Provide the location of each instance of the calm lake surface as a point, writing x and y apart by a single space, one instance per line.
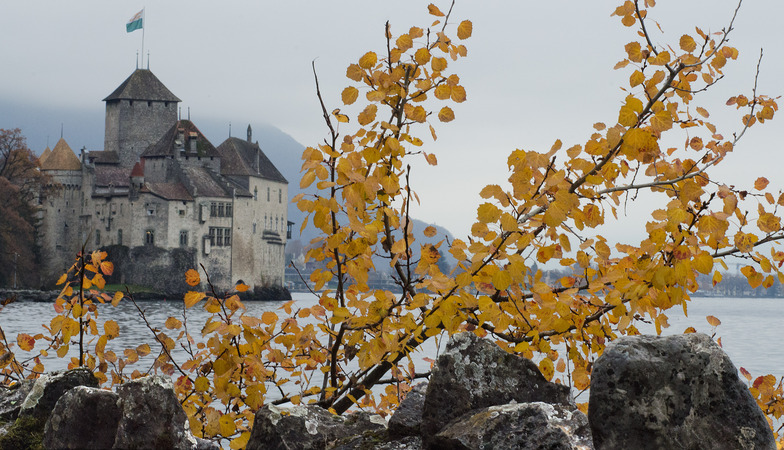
750 332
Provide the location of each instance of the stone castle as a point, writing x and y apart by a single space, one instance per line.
161 198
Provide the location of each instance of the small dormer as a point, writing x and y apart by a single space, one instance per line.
193 140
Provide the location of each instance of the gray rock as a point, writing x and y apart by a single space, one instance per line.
518 426
475 373
11 399
48 389
672 392
407 419
152 416
84 418
306 427
406 443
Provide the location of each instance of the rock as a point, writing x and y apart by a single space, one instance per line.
406 443
672 392
518 426
475 373
152 416
407 419
305 427
11 399
47 389
84 418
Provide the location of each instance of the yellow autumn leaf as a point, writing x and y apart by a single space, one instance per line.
173 323
458 94
687 43
502 280
713 321
118 296
368 60
366 116
446 114
465 29
349 95
430 231
547 369
422 56
404 42
443 91
634 51
636 78
111 329
769 223
488 213
269 317
192 297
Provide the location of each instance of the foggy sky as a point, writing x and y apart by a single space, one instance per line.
535 72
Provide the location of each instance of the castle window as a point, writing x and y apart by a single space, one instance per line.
228 209
183 238
280 195
149 237
268 194
182 213
130 102
255 193
213 209
254 227
119 237
149 104
97 237
221 212
220 237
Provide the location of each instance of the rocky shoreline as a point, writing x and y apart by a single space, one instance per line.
267 293
647 392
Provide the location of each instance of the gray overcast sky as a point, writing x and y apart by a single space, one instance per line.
535 72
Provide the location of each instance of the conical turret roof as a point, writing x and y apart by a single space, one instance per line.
61 158
44 155
142 85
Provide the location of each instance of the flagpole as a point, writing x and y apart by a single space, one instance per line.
144 25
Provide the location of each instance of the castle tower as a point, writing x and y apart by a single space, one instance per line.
138 113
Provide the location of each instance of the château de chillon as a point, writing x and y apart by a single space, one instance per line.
161 199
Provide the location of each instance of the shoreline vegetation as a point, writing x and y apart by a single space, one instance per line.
143 294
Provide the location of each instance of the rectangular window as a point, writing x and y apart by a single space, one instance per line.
228 210
149 237
221 212
280 195
183 238
213 209
97 237
220 237
119 237
268 194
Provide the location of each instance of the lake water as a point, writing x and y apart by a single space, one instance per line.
749 330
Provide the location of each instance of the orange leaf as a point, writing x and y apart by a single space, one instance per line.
349 95
446 114
269 317
465 29
430 231
192 277
761 183
242 287
107 268
433 9
713 321
25 341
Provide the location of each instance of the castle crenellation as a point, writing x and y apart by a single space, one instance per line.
160 197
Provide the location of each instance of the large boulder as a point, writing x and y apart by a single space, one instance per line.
84 418
672 392
518 426
306 427
152 416
47 389
407 419
475 373
11 399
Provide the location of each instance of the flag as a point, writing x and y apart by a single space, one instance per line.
136 22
